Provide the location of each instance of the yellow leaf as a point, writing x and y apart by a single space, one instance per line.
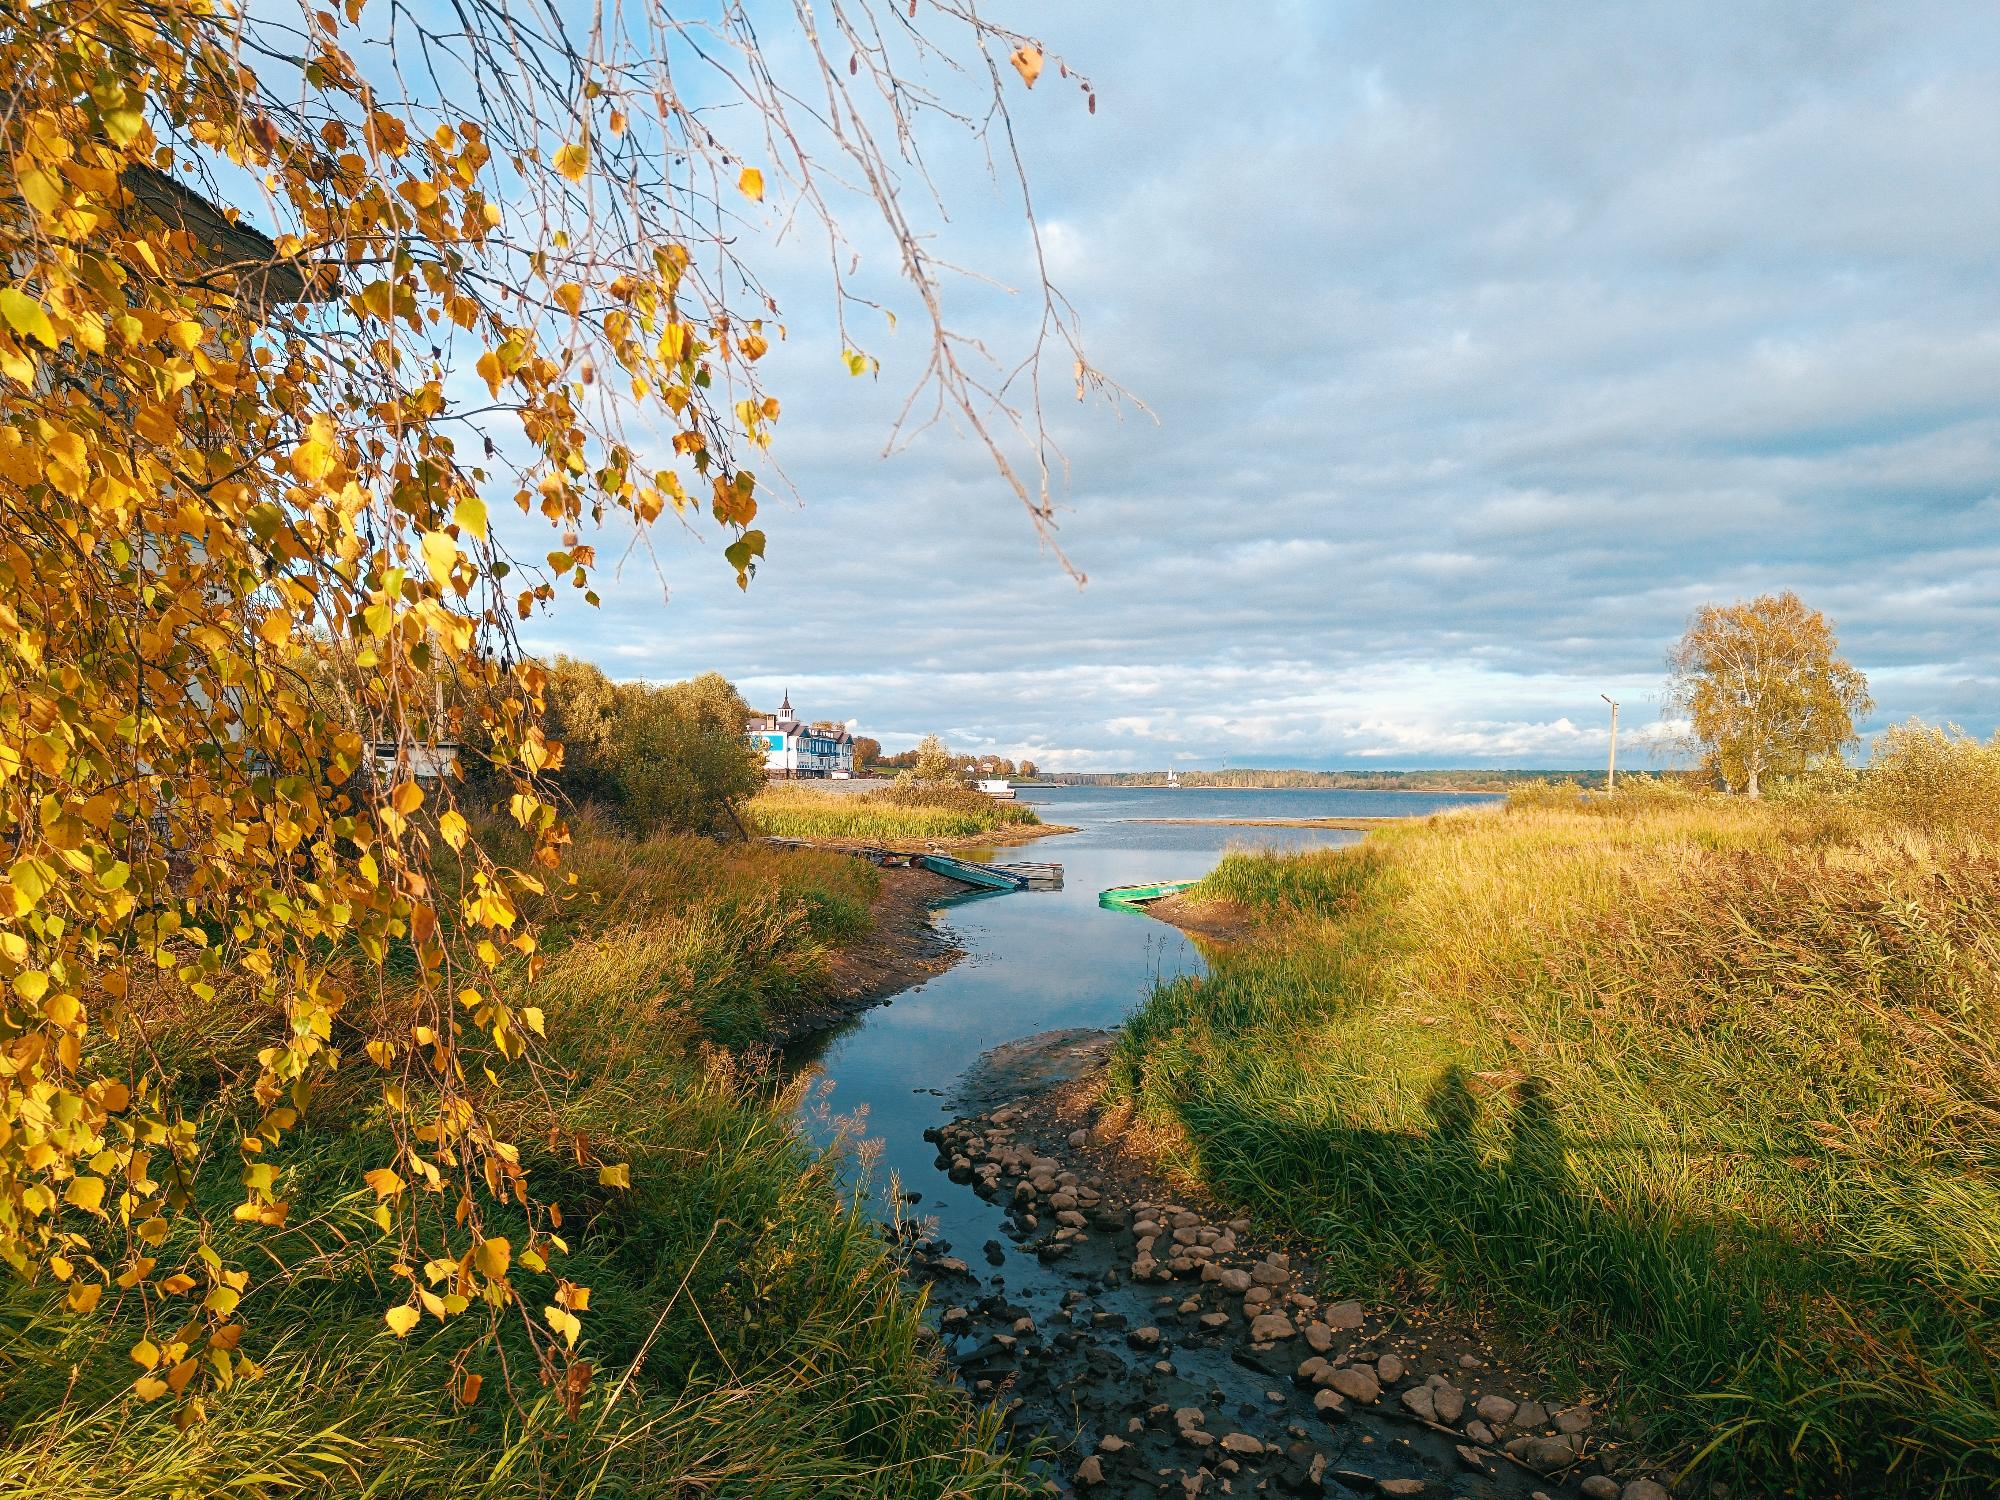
87 1193
149 1387
31 985
492 1258
752 184
185 335
470 513
564 1323
440 554
384 1181
26 315
569 296
41 190
146 1354
407 798
573 161
619 1176
468 1388
857 362
453 828
222 1300
315 458
1027 61
401 1319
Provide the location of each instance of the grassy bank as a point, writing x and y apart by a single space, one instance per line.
1702 1099
747 1334
894 815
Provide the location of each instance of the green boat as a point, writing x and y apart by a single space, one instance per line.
1135 897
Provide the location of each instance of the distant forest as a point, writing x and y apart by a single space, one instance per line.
1369 781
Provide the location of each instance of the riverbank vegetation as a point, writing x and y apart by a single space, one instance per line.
1695 1095
901 813
749 1332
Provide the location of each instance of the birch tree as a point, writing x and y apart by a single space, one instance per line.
297 305
1764 688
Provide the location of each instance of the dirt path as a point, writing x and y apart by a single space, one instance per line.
1190 1355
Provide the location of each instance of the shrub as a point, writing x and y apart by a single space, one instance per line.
1935 777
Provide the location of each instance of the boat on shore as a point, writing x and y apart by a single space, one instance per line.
1137 897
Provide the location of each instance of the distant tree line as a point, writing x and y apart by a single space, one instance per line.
1301 780
962 766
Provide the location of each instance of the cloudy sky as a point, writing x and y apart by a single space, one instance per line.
1477 344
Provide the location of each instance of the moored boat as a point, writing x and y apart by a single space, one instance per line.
1136 897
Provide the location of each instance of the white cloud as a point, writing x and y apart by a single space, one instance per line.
1482 349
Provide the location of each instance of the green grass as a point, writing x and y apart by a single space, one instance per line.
892 816
1701 1100
748 1333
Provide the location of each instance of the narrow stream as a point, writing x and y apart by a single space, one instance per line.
1042 960
1039 961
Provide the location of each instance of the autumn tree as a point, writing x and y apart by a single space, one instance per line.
1765 689
255 557
680 759
933 764
867 751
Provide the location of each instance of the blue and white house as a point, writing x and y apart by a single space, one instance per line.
794 749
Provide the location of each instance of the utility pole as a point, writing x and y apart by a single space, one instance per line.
1611 771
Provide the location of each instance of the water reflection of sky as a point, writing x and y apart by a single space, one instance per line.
1042 960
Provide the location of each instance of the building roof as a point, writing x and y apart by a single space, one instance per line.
266 277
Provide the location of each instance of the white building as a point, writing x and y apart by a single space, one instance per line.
793 749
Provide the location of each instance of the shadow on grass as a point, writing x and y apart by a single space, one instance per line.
1758 1357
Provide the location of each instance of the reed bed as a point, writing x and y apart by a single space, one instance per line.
894 815
1699 1099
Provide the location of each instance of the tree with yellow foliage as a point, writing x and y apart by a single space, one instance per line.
251 569
1765 689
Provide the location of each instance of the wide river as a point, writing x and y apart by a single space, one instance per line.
1038 960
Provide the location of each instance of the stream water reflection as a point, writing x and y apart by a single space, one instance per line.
1040 960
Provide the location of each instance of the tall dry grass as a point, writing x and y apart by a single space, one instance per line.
1699 1097
748 1331
896 814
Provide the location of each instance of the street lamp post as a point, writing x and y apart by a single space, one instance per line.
1611 771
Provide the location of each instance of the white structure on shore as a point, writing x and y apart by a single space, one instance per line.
793 749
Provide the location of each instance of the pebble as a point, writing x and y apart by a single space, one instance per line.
1400 1486
1576 1419
1090 1471
1319 1336
1449 1402
1267 1327
1390 1368
1645 1489
1356 1382
1111 1443
1241 1442
1328 1401
1420 1402
1549 1454
1600 1487
1343 1315
1496 1409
